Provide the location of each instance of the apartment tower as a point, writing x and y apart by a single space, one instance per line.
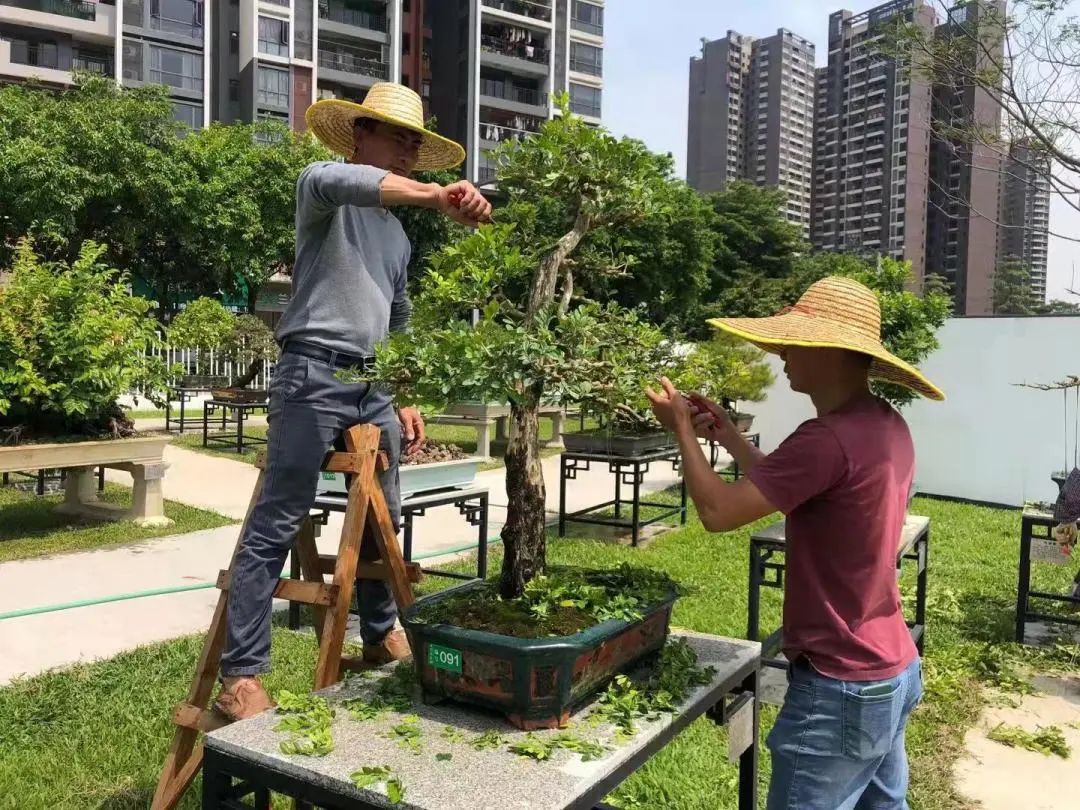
872 140
752 116
1024 213
496 63
132 41
962 201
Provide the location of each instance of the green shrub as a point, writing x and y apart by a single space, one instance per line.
207 326
72 341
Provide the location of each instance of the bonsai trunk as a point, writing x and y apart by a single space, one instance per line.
245 379
523 536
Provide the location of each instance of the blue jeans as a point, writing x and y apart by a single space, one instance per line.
309 409
839 745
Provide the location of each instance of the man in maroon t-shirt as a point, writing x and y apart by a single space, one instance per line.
842 480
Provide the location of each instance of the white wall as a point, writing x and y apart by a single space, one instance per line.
989 441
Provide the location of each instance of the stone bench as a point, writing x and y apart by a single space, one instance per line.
143 457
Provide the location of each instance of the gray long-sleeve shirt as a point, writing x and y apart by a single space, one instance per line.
348 282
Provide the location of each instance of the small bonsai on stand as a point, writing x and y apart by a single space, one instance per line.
728 371
242 341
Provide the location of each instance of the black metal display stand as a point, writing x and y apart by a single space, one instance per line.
182 396
1036 525
629 471
472 503
241 412
733 469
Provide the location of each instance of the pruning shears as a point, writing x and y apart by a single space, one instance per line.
455 200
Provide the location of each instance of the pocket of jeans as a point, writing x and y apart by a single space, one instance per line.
289 376
870 720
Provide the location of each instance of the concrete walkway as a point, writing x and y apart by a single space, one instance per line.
38 642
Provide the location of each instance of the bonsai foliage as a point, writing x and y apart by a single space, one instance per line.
726 369
208 327
72 341
535 338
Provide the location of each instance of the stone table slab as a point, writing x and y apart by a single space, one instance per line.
914 527
470 779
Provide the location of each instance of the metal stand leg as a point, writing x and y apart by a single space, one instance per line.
636 506
682 499
1023 583
482 551
407 524
618 496
205 423
294 573
923 551
216 785
748 761
753 597
562 495
239 413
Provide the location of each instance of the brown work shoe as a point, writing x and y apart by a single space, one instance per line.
392 648
243 698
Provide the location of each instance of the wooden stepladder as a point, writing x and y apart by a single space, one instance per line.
365 509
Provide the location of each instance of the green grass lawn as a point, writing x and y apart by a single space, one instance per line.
95 735
463 436
147 413
29 526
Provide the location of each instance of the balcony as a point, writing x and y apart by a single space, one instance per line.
352 68
502 94
95 22
43 62
523 8
518 57
352 22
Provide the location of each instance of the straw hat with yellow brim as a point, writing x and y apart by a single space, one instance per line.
332 121
834 313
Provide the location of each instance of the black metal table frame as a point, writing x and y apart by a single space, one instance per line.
629 470
232 441
184 395
39 477
733 470
1029 524
220 769
472 503
761 552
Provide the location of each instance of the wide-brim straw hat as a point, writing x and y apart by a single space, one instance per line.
835 313
332 121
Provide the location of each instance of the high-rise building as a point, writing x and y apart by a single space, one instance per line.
716 131
962 200
752 116
872 140
134 41
496 63
1024 213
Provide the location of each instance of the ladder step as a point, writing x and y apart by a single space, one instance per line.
295 590
369 570
188 715
337 461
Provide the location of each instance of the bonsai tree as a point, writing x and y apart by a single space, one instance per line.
569 191
206 326
727 370
72 341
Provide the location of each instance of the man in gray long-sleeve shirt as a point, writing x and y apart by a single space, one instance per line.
348 293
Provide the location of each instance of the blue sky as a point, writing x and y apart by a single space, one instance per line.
647 49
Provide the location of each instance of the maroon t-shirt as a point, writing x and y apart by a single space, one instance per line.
843 480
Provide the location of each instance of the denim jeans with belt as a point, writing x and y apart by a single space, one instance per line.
309 408
839 745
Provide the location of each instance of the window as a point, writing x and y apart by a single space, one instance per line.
586 59
176 68
41 54
273 36
273 87
585 100
183 17
189 114
588 18
234 89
